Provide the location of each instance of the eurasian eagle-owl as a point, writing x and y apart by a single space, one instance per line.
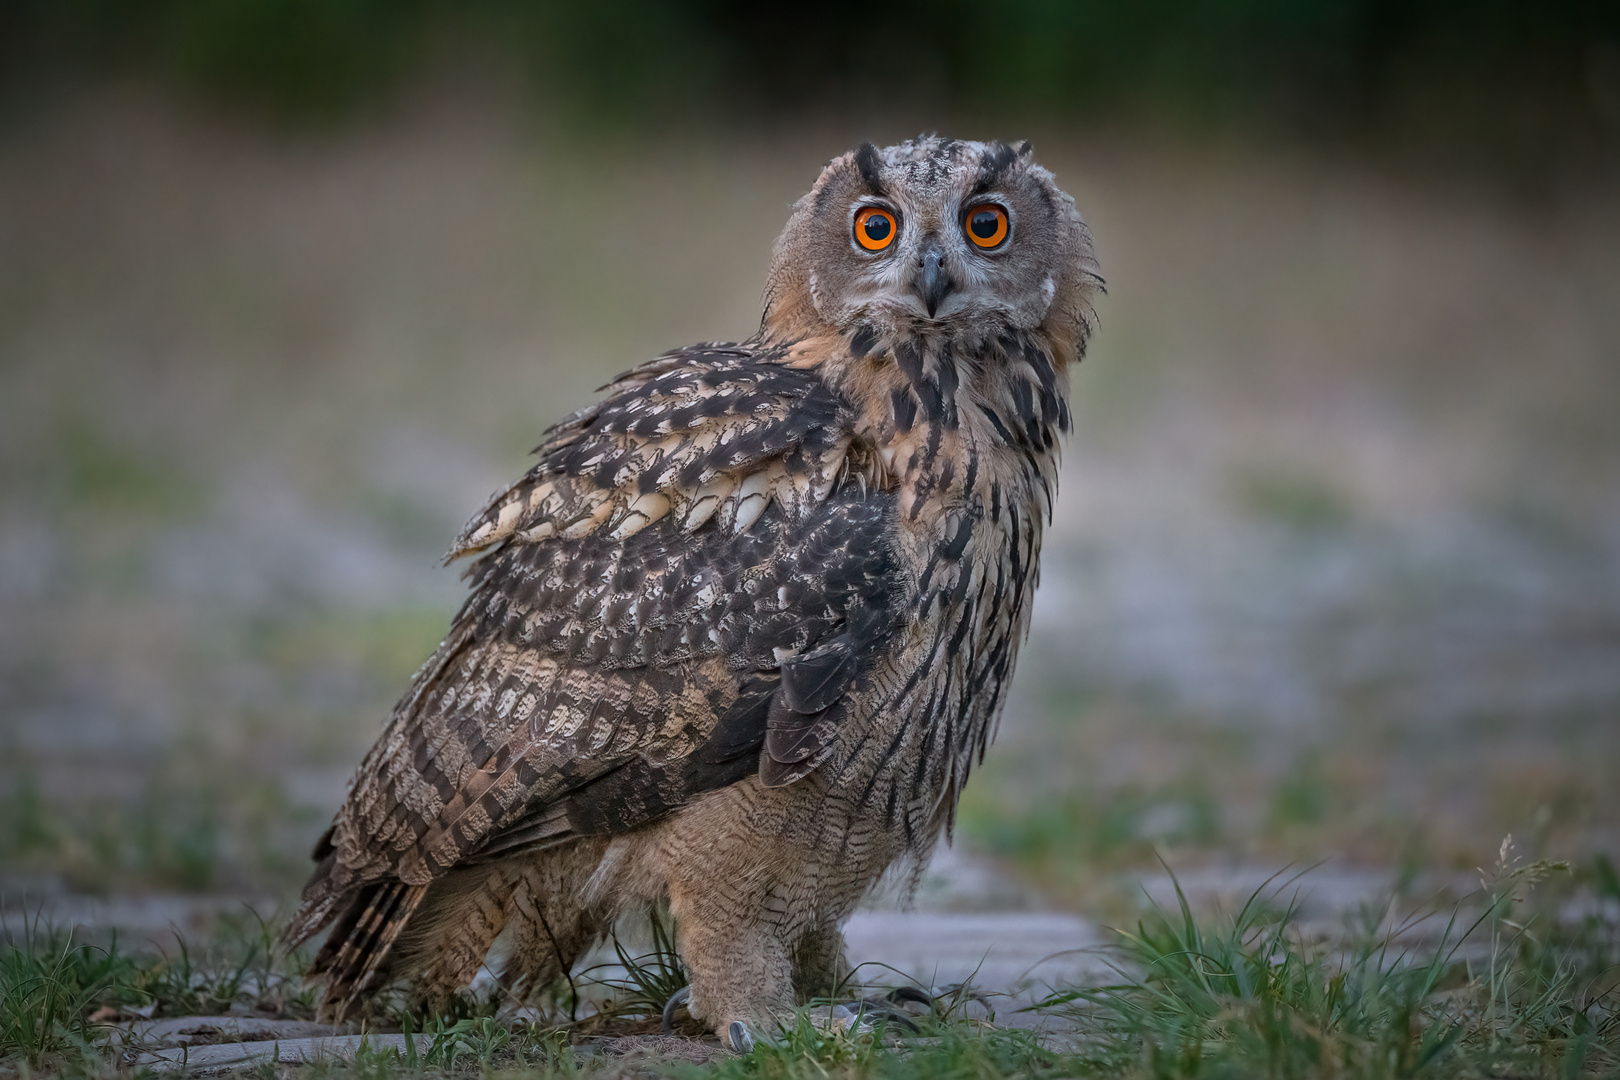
735 641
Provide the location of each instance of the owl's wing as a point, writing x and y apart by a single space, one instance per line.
677 596
718 431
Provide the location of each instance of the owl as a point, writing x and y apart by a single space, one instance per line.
734 643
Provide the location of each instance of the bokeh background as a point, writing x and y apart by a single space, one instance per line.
287 287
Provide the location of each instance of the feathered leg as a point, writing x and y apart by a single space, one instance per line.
450 937
742 970
820 965
552 923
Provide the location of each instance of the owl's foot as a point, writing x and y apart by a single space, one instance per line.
741 1037
867 1013
857 1017
677 1000
836 1019
871 1011
943 1003
862 1015
737 1034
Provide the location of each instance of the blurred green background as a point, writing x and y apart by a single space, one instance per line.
1526 77
286 288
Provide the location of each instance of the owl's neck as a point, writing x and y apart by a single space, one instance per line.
953 417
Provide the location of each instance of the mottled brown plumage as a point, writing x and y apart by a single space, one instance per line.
737 638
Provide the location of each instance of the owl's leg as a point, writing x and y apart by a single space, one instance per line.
552 924
741 968
820 966
446 943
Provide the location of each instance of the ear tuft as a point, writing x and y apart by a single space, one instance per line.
866 160
1025 148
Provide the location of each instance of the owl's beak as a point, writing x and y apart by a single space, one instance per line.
933 284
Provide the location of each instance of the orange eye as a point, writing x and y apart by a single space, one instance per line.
986 225
875 228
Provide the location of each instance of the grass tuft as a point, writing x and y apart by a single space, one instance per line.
49 983
807 1052
1512 994
240 967
55 989
650 979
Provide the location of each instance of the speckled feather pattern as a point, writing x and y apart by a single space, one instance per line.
733 643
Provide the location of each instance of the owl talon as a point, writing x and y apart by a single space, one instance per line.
864 1013
676 1000
901 994
740 1038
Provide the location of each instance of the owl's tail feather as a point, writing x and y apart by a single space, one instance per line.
318 904
357 949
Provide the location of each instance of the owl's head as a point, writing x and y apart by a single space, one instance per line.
933 235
